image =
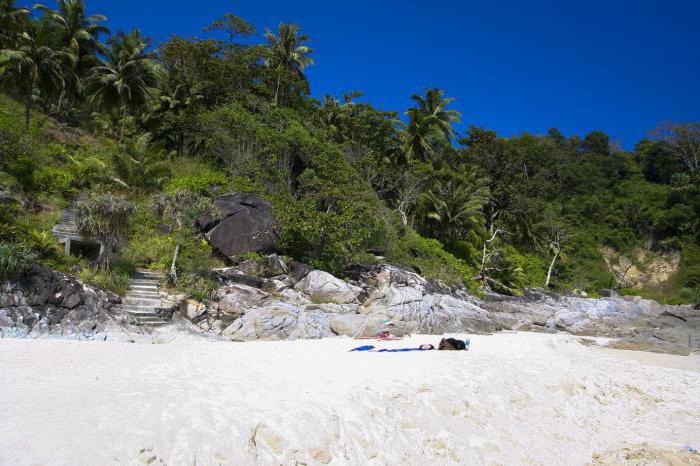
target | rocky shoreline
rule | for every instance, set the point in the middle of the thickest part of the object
(274, 300)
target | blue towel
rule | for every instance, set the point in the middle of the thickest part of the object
(363, 348)
(399, 350)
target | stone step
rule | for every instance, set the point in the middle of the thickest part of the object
(139, 287)
(147, 273)
(143, 314)
(143, 293)
(145, 281)
(136, 301)
(145, 300)
(154, 278)
(140, 307)
(149, 321)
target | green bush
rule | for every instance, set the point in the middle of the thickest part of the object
(112, 280)
(430, 258)
(200, 182)
(197, 287)
(15, 258)
(54, 181)
(44, 243)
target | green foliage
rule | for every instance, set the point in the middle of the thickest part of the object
(112, 280)
(15, 258)
(54, 180)
(430, 258)
(44, 243)
(105, 216)
(344, 177)
(197, 287)
(199, 183)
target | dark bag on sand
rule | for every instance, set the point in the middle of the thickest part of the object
(452, 344)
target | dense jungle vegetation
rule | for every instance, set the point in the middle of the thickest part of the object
(144, 133)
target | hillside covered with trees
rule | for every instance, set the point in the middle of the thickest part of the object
(142, 135)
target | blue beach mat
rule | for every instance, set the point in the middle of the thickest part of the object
(385, 350)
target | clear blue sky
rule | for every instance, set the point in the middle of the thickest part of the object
(620, 66)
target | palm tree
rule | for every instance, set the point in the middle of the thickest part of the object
(11, 21)
(34, 66)
(287, 52)
(138, 163)
(418, 135)
(126, 79)
(456, 204)
(434, 104)
(78, 32)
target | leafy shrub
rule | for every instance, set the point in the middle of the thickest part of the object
(43, 242)
(200, 182)
(197, 287)
(54, 181)
(15, 258)
(112, 280)
(430, 258)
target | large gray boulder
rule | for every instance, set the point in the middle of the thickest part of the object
(244, 224)
(277, 320)
(236, 299)
(323, 287)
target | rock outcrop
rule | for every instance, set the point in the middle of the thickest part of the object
(244, 223)
(277, 304)
(325, 288)
(639, 323)
(48, 302)
(290, 301)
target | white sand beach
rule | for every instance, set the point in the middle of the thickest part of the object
(515, 398)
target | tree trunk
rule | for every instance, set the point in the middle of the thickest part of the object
(28, 108)
(60, 100)
(121, 136)
(551, 267)
(172, 275)
(277, 91)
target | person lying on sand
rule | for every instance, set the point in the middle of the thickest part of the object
(446, 344)
(452, 344)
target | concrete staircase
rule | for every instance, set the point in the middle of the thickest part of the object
(142, 299)
(68, 225)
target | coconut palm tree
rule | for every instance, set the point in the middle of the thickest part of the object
(139, 163)
(78, 32)
(33, 65)
(12, 20)
(456, 204)
(287, 52)
(418, 136)
(433, 103)
(126, 78)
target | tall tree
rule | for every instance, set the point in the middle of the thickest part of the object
(287, 53)
(12, 21)
(434, 104)
(456, 204)
(105, 217)
(234, 26)
(182, 208)
(126, 79)
(33, 65)
(78, 31)
(419, 135)
(684, 139)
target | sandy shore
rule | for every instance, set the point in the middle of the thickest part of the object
(515, 398)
